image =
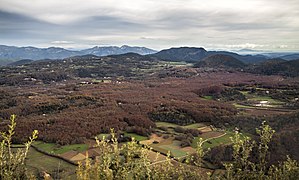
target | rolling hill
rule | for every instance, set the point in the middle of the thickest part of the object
(193, 54)
(220, 61)
(277, 67)
(188, 54)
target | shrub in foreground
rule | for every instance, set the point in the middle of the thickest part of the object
(12, 163)
(130, 161)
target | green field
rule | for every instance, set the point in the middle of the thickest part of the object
(166, 124)
(136, 136)
(218, 141)
(100, 136)
(254, 98)
(173, 151)
(38, 162)
(17, 145)
(208, 97)
(265, 98)
(172, 146)
(214, 142)
(56, 149)
(159, 149)
(244, 92)
(172, 125)
(176, 63)
(194, 126)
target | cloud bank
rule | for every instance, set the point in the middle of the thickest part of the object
(256, 24)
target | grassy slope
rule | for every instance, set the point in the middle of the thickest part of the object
(214, 142)
(136, 136)
(54, 149)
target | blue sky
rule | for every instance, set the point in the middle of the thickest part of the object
(213, 24)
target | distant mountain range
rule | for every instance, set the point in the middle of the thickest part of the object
(9, 54)
(289, 68)
(13, 53)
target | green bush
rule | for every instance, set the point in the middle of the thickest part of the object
(12, 164)
(130, 161)
(243, 168)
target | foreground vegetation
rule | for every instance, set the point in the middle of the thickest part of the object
(130, 160)
(12, 164)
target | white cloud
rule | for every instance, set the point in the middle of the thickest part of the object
(233, 23)
(62, 42)
(283, 46)
(65, 11)
(245, 46)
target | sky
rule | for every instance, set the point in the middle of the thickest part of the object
(269, 25)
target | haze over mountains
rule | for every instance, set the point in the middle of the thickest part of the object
(13, 53)
(21, 55)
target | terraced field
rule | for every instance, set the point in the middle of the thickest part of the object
(164, 140)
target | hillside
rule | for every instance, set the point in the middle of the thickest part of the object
(192, 54)
(277, 67)
(21, 62)
(247, 59)
(188, 54)
(290, 57)
(220, 61)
